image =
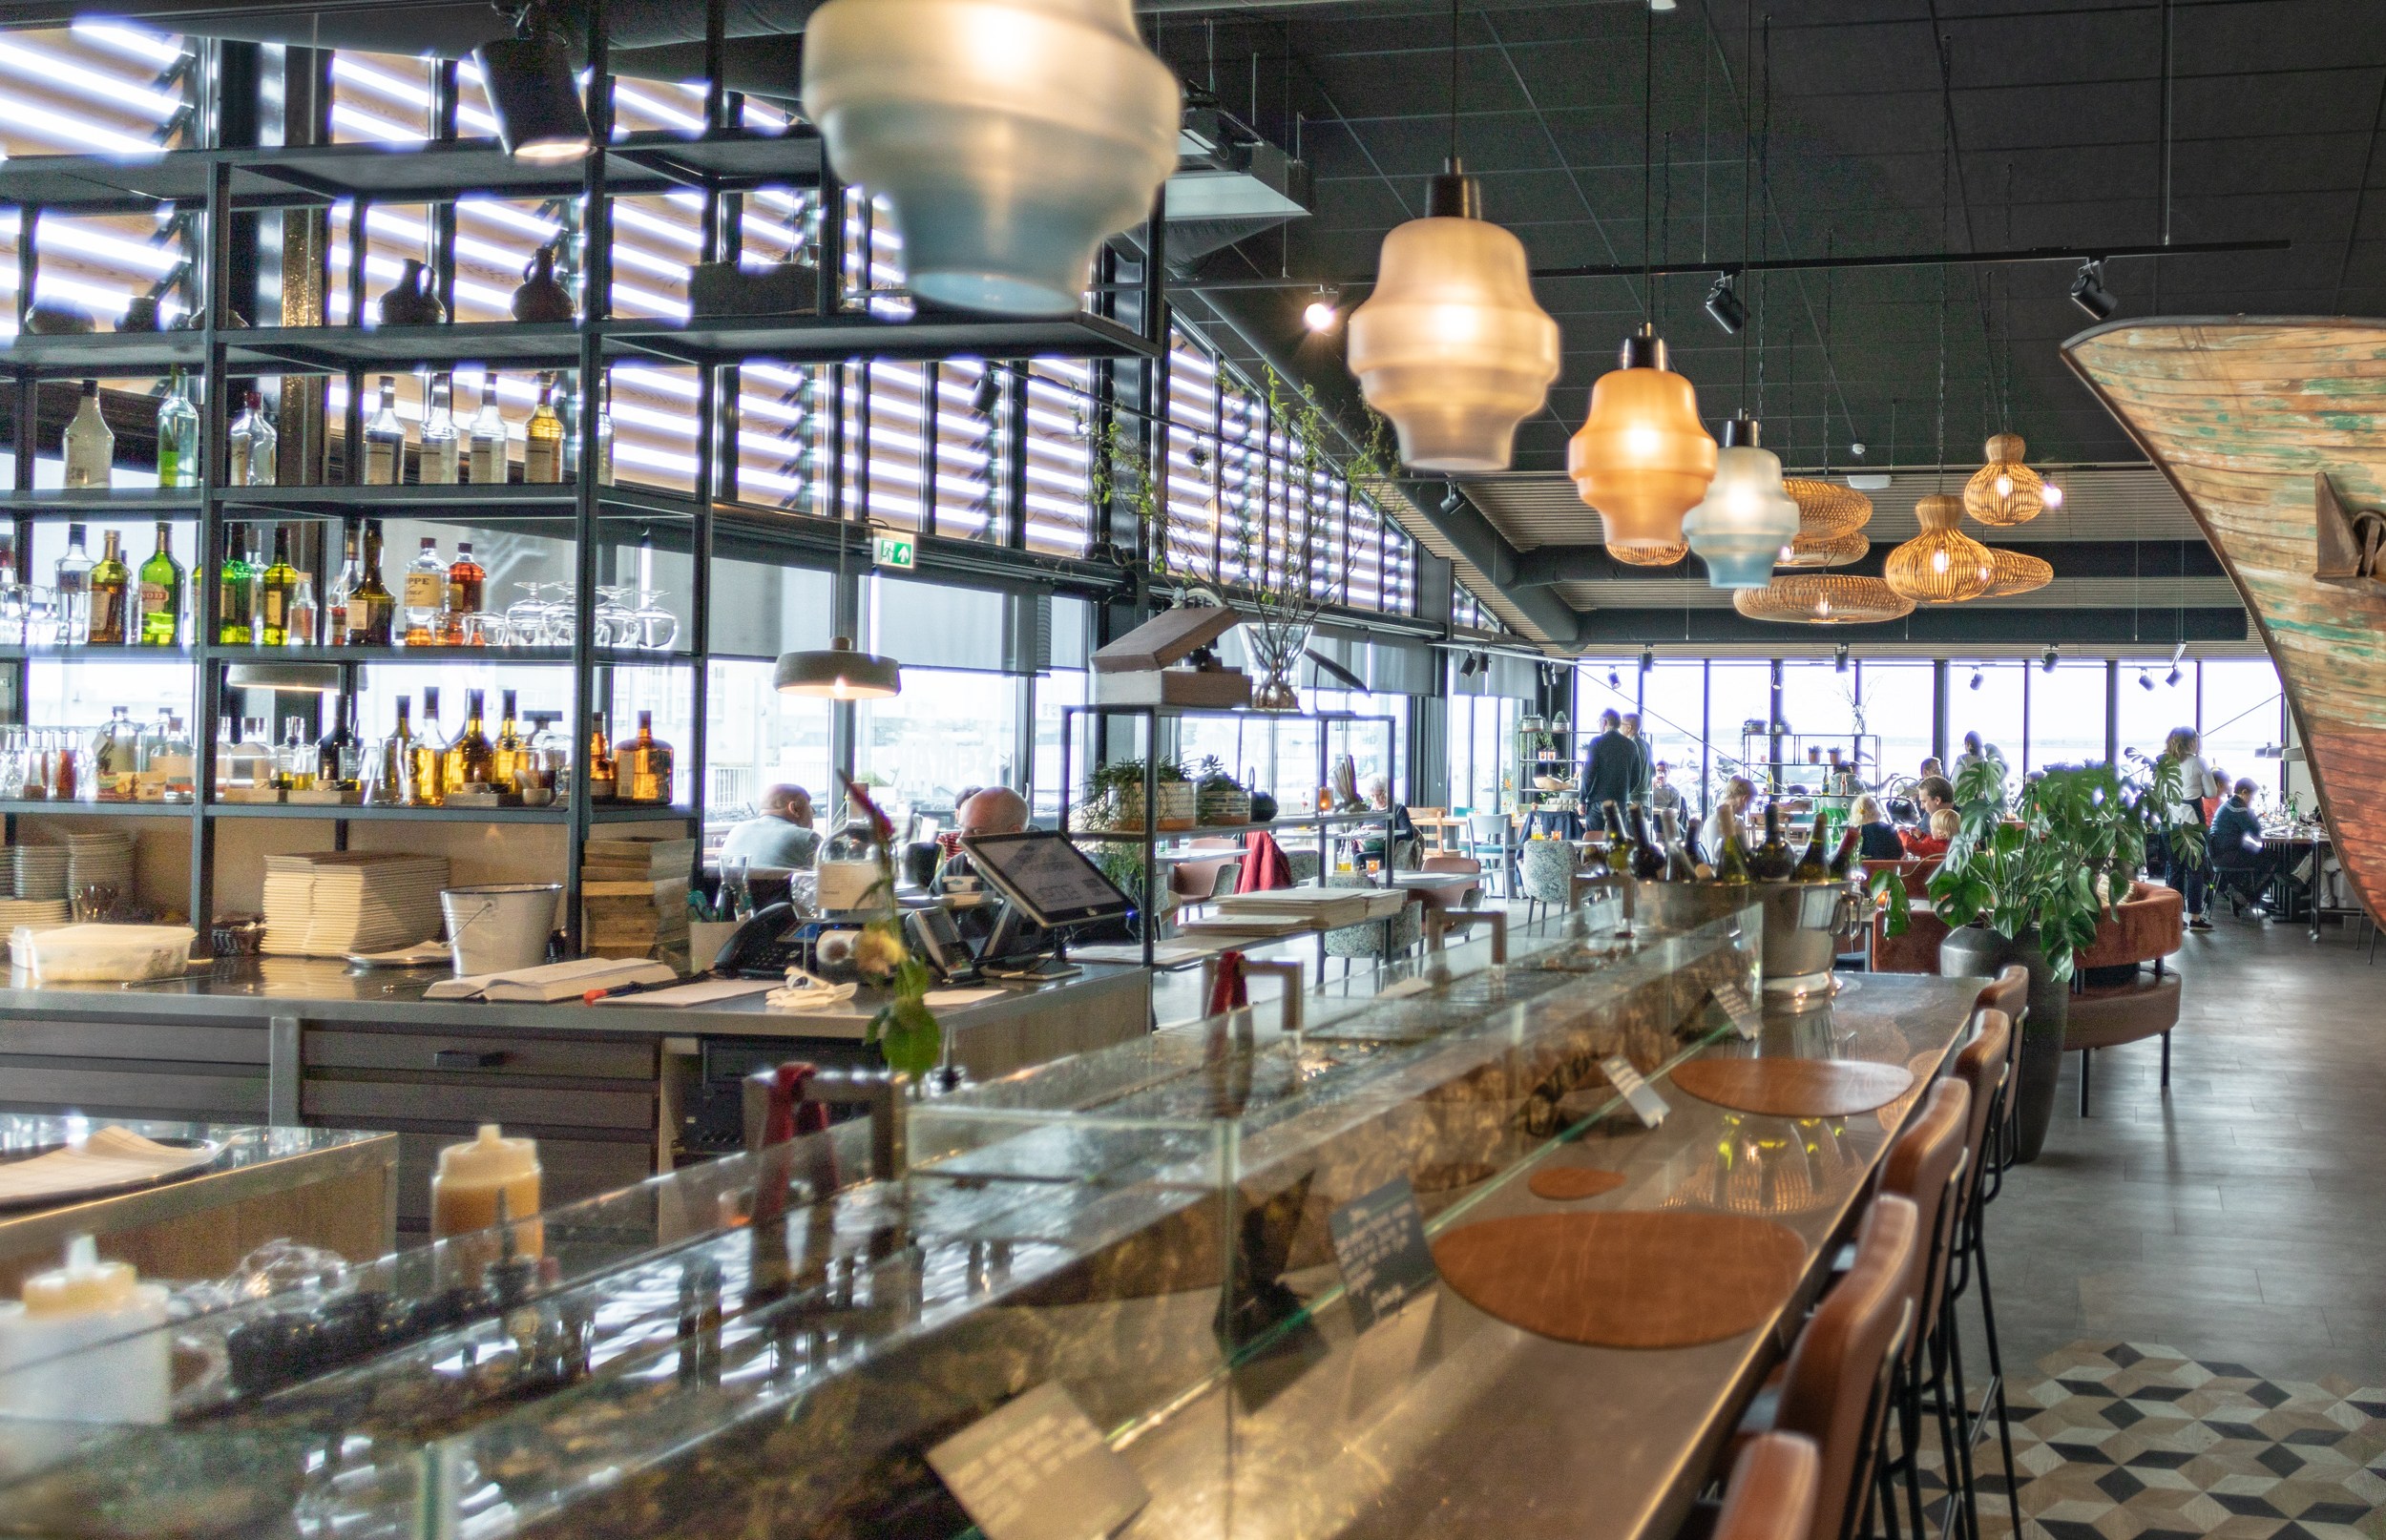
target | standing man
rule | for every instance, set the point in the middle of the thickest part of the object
(1643, 767)
(1612, 769)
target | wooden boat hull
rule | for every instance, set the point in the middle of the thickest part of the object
(2242, 413)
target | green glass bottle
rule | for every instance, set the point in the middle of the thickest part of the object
(1731, 863)
(235, 592)
(161, 593)
(274, 587)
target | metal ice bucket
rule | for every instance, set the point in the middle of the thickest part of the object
(1804, 921)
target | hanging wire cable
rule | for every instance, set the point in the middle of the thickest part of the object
(1946, 172)
(1648, 150)
(1748, 190)
(1454, 85)
(1764, 195)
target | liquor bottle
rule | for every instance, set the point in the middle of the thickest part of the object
(390, 771)
(437, 462)
(235, 592)
(472, 759)
(338, 758)
(425, 594)
(111, 592)
(276, 586)
(506, 770)
(1681, 865)
(1648, 861)
(371, 607)
(294, 764)
(254, 444)
(1843, 866)
(542, 445)
(1731, 862)
(89, 449)
(115, 756)
(160, 592)
(1810, 867)
(461, 594)
(602, 782)
(643, 772)
(385, 439)
(344, 586)
(487, 439)
(1772, 862)
(427, 784)
(72, 582)
(177, 435)
(604, 433)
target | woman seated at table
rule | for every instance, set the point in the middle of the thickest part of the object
(1405, 843)
(1944, 825)
(1877, 837)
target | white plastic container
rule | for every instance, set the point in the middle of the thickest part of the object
(83, 1345)
(103, 953)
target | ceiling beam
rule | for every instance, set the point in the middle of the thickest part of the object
(1953, 624)
(1545, 565)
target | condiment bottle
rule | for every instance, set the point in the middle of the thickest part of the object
(84, 1346)
(464, 1189)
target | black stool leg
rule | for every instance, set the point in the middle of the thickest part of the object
(1993, 1393)
(2087, 1067)
(2166, 1061)
(1954, 1402)
(1909, 1424)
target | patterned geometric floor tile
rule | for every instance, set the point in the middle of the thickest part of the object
(2137, 1440)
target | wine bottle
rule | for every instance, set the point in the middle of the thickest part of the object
(336, 754)
(371, 607)
(425, 594)
(111, 591)
(1810, 867)
(235, 592)
(276, 586)
(436, 464)
(603, 780)
(643, 773)
(1648, 861)
(1619, 851)
(472, 759)
(487, 447)
(506, 774)
(1681, 865)
(254, 443)
(461, 593)
(542, 437)
(90, 447)
(1731, 862)
(161, 593)
(177, 435)
(427, 783)
(72, 583)
(1772, 862)
(1844, 865)
(385, 439)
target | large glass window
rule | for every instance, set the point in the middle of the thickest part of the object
(756, 738)
(2242, 715)
(1818, 707)
(1738, 694)
(2066, 715)
(1986, 698)
(2150, 708)
(1898, 706)
(1673, 704)
(1480, 727)
(950, 731)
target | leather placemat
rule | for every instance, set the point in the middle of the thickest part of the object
(1794, 1088)
(1564, 1184)
(1625, 1279)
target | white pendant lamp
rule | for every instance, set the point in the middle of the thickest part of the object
(1452, 346)
(837, 672)
(1011, 137)
(1740, 527)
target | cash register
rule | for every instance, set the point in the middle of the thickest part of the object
(1046, 885)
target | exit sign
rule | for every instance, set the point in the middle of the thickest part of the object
(895, 551)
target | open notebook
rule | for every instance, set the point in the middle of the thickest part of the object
(553, 980)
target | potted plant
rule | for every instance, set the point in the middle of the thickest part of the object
(1114, 796)
(2027, 881)
(1221, 799)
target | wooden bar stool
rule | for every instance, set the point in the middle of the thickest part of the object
(1838, 1383)
(1983, 1069)
(1772, 1492)
(2010, 993)
(1926, 1167)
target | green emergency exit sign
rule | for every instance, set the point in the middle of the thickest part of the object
(895, 551)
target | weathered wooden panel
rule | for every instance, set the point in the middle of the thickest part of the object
(2240, 412)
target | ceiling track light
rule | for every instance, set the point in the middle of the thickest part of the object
(1723, 302)
(1839, 658)
(2146, 680)
(1322, 314)
(987, 394)
(2054, 653)
(533, 93)
(2173, 677)
(2088, 291)
(1614, 681)
(1975, 678)
(1648, 658)
(1452, 500)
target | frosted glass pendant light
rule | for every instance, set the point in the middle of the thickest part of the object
(1642, 458)
(2005, 491)
(1011, 137)
(1740, 526)
(1452, 346)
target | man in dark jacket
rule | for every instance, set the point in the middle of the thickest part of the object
(1645, 769)
(2239, 858)
(1611, 771)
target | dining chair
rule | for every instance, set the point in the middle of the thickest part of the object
(1773, 1485)
(1836, 1388)
(1925, 1166)
(1491, 835)
(1982, 1067)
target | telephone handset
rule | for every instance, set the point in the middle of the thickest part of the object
(765, 946)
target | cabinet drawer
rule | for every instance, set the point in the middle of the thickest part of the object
(568, 1170)
(151, 1042)
(480, 1055)
(467, 1101)
(221, 1098)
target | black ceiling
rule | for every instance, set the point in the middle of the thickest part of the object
(2057, 112)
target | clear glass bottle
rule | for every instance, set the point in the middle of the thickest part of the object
(343, 584)
(426, 784)
(542, 447)
(254, 444)
(849, 866)
(115, 756)
(604, 433)
(72, 583)
(547, 767)
(89, 447)
(643, 771)
(505, 771)
(436, 466)
(178, 434)
(472, 759)
(425, 594)
(111, 594)
(372, 607)
(385, 439)
(276, 586)
(235, 592)
(392, 766)
(305, 614)
(603, 782)
(161, 592)
(466, 582)
(487, 444)
(294, 763)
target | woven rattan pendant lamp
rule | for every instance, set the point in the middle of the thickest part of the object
(1824, 550)
(1822, 599)
(1943, 565)
(2005, 491)
(2014, 572)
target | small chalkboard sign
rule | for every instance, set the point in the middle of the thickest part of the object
(1379, 1241)
(1638, 1094)
(1747, 1018)
(1035, 1469)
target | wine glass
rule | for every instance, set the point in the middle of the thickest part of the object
(41, 617)
(15, 607)
(616, 623)
(526, 617)
(657, 627)
(558, 615)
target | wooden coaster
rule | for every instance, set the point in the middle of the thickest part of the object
(1794, 1088)
(1564, 1184)
(1625, 1279)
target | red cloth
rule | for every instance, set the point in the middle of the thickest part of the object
(789, 1114)
(1231, 992)
(1264, 865)
(1923, 845)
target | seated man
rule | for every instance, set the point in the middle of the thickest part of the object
(1662, 794)
(780, 834)
(2238, 857)
(1404, 836)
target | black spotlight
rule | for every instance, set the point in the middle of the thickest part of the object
(532, 93)
(1839, 658)
(2146, 680)
(1456, 501)
(1975, 678)
(1466, 666)
(2088, 291)
(2173, 677)
(1725, 305)
(988, 395)
(2049, 661)
(1648, 658)
(1614, 681)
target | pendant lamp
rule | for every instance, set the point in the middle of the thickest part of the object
(1452, 346)
(1943, 565)
(1651, 555)
(1740, 526)
(2014, 572)
(1011, 136)
(1826, 508)
(533, 93)
(1824, 550)
(1822, 599)
(1642, 458)
(2005, 491)
(839, 670)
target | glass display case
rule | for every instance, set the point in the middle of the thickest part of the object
(773, 1343)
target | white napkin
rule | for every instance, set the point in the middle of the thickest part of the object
(108, 1157)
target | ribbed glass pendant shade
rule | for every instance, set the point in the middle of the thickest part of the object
(1642, 458)
(837, 673)
(2005, 491)
(1011, 137)
(1943, 565)
(2014, 572)
(1452, 346)
(1746, 518)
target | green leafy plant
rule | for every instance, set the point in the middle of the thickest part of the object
(1214, 777)
(2045, 861)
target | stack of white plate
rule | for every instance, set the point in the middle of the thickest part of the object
(329, 904)
(104, 858)
(33, 914)
(41, 871)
